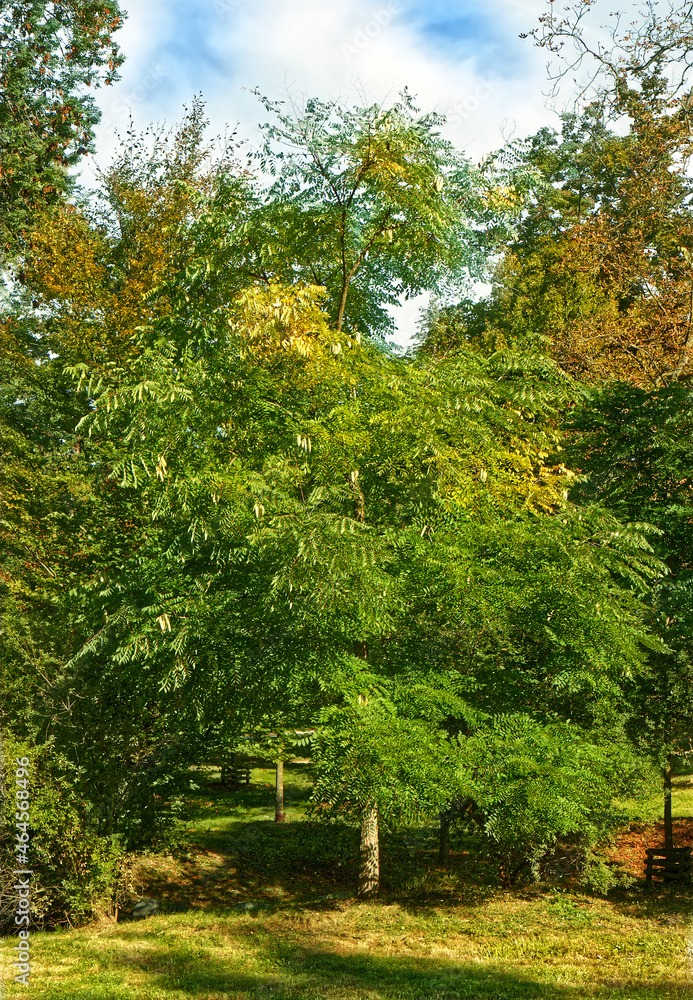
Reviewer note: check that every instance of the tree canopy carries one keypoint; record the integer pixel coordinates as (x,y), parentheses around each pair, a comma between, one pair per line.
(229,508)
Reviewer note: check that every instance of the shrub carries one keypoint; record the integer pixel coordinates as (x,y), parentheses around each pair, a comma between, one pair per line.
(533,784)
(76,872)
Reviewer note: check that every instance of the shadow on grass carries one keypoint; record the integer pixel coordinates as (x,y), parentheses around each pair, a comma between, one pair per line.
(234,851)
(311,858)
(304,973)
(301,861)
(227,811)
(666,903)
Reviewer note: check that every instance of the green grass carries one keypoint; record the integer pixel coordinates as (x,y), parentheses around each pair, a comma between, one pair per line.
(507,947)
(649,809)
(433,935)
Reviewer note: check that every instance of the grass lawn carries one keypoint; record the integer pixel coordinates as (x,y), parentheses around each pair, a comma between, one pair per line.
(252,909)
(650,809)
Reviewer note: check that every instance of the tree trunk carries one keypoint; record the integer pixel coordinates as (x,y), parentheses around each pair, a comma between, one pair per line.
(668,825)
(456,808)
(279,814)
(444,848)
(369,874)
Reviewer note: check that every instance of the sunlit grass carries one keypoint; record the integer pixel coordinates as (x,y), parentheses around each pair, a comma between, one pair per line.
(227,811)
(460,938)
(650,808)
(551,946)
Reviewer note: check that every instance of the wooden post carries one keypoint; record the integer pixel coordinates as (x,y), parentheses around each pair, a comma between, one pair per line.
(279,814)
(668,824)
(444,847)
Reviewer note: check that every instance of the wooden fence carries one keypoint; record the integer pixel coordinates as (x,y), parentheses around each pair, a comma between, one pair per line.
(669,863)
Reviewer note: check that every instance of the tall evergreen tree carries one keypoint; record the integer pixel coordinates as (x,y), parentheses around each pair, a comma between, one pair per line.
(51,54)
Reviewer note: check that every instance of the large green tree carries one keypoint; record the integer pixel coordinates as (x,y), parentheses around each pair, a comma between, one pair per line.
(322,511)
(370,203)
(276,512)
(634,447)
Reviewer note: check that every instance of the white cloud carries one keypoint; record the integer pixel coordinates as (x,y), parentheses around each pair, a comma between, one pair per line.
(363,49)
(370,50)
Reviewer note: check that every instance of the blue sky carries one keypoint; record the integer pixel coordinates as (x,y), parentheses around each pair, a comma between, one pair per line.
(458,57)
(463,59)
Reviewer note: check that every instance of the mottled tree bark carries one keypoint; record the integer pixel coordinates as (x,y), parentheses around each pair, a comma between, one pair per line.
(279,814)
(369,872)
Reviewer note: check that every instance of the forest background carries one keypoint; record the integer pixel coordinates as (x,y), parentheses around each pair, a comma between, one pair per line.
(228,509)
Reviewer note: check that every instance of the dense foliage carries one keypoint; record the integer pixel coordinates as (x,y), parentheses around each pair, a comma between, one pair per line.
(50,55)
(229,510)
